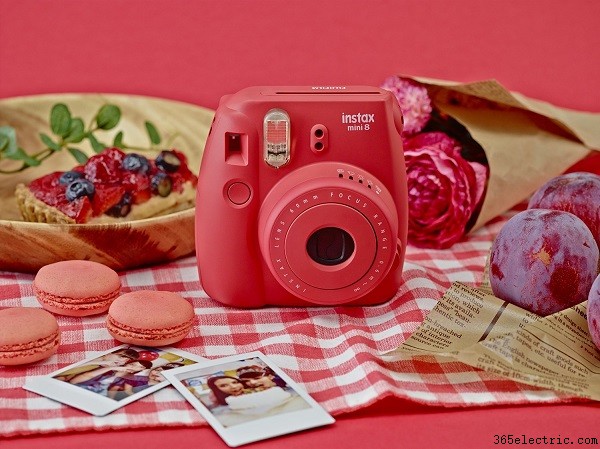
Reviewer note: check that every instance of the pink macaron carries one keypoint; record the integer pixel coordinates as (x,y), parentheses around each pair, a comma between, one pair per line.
(27,335)
(150,318)
(76,287)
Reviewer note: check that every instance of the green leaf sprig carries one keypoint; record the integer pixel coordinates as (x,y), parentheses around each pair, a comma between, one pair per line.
(67,132)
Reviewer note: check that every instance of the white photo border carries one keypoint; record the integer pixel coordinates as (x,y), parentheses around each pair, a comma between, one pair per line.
(256,430)
(89,401)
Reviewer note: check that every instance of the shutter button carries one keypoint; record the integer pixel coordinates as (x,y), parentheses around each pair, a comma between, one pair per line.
(238,193)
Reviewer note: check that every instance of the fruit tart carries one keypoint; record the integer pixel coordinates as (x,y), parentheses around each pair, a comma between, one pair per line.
(111,186)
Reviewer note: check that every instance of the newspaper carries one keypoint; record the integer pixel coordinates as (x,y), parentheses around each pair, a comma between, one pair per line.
(474,327)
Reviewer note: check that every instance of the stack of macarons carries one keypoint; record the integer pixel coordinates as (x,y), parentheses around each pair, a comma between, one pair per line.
(79,288)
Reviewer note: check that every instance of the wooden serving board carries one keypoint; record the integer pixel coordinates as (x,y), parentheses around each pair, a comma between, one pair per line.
(26,247)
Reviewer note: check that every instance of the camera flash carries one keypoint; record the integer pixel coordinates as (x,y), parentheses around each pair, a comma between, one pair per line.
(276,130)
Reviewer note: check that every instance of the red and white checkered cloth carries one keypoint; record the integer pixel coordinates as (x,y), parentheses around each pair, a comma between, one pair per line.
(334,352)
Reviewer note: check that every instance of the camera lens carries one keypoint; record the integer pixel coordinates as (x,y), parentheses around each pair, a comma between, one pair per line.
(328,239)
(330,246)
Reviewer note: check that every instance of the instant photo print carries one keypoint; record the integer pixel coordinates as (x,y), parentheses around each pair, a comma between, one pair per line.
(110,380)
(247,398)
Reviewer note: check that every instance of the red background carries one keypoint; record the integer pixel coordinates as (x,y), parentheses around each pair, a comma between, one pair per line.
(198,51)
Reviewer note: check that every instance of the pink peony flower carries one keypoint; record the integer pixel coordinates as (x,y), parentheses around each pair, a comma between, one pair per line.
(414,102)
(435,139)
(443,190)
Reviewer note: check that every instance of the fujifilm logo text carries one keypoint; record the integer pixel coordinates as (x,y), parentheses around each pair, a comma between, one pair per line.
(358,122)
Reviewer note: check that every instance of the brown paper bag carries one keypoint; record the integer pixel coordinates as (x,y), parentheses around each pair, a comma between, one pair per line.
(526,141)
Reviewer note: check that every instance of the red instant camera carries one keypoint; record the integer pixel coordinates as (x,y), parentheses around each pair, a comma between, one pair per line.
(302,198)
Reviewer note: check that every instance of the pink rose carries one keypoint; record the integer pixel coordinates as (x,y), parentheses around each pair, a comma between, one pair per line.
(443,190)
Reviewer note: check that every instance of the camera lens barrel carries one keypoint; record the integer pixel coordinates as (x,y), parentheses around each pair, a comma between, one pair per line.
(327,237)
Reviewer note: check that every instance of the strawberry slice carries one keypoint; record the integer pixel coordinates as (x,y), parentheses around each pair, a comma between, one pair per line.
(106,197)
(80,209)
(105,167)
(139,186)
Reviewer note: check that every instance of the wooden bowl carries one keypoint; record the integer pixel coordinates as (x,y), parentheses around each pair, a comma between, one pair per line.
(26,247)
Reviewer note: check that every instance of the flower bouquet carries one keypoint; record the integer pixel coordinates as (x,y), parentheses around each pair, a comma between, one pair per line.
(475,150)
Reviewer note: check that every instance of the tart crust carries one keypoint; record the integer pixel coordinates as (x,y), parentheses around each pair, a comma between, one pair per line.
(35,210)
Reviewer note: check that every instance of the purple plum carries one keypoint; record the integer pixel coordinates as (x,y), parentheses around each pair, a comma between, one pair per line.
(593,312)
(543,261)
(578,193)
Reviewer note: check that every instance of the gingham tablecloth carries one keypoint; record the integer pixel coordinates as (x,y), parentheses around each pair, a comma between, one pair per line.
(333,352)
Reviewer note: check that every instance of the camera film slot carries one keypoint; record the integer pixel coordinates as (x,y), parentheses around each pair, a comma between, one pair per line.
(276,131)
(329,91)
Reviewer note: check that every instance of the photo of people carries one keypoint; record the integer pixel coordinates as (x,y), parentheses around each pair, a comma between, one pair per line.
(123,372)
(243,391)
